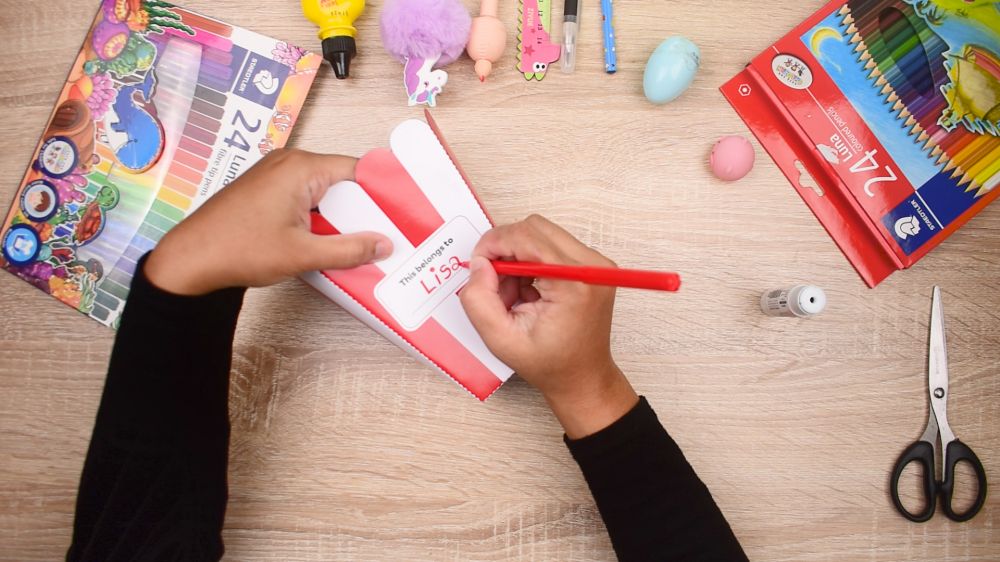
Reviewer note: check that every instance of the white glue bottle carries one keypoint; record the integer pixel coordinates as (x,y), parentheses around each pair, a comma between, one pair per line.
(800,301)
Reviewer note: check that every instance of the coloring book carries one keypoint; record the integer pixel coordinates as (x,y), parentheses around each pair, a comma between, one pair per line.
(162,108)
(892,109)
(415,194)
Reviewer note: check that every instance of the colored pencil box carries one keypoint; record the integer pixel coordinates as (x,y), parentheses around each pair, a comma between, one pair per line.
(162,108)
(885,116)
(414,193)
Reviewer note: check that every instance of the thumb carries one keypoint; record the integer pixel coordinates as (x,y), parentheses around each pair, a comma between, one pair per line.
(345,251)
(481,300)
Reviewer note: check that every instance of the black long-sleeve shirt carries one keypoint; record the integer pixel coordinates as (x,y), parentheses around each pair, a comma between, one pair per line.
(154,480)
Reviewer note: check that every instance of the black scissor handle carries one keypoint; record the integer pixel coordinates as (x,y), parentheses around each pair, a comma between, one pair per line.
(958,451)
(923,453)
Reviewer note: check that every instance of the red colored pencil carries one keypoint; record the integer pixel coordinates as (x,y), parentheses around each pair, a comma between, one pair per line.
(611,276)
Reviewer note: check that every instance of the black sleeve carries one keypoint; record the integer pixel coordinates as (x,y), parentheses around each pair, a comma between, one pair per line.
(654,505)
(154,481)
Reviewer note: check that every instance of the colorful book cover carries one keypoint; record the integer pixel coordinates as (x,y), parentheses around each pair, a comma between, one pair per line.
(162,108)
(885,115)
(415,194)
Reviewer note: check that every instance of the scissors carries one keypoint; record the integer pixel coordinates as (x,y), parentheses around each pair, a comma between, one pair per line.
(925,450)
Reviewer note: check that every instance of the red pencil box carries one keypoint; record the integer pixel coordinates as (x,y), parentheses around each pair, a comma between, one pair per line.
(892,109)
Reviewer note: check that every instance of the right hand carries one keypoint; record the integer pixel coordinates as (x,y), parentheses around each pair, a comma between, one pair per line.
(554,334)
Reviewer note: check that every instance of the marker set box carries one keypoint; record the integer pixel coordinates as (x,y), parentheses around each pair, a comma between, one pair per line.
(162,108)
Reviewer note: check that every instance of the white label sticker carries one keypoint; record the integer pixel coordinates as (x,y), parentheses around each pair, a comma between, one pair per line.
(792,71)
(432,274)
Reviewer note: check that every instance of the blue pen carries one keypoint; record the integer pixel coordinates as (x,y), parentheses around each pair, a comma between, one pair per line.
(610,56)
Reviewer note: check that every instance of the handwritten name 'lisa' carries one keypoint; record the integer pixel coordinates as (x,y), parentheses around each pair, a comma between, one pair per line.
(438,276)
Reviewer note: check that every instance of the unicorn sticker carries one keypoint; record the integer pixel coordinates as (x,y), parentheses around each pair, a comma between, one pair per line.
(422,82)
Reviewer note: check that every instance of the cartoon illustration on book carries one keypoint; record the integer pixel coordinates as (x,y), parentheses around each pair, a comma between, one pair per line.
(985,13)
(133,133)
(974,92)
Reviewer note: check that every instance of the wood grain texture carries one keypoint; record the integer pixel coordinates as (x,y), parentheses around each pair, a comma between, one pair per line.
(344,448)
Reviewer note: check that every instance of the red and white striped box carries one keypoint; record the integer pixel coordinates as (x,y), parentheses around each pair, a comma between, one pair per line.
(415,194)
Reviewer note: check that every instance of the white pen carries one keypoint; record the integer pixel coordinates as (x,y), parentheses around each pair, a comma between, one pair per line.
(571,25)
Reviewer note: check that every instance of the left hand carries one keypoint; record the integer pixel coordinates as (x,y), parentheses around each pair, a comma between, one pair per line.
(255,232)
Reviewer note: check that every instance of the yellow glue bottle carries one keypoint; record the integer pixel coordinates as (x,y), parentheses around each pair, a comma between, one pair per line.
(335,19)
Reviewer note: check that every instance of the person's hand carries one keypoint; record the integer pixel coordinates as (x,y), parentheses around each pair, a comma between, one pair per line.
(255,232)
(554,334)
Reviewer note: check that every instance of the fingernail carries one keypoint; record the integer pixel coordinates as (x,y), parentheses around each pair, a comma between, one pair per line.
(383,249)
(476,264)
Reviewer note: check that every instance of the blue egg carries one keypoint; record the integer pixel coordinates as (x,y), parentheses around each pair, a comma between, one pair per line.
(670,70)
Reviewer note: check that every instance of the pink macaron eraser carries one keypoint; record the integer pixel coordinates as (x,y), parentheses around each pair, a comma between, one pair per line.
(732,158)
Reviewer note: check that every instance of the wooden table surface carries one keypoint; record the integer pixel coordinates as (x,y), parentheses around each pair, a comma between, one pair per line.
(344,448)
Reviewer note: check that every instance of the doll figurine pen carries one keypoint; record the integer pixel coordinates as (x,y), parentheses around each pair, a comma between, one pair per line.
(487,39)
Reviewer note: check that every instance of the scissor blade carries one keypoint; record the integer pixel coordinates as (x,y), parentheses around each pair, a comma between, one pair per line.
(937,364)
(937,373)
